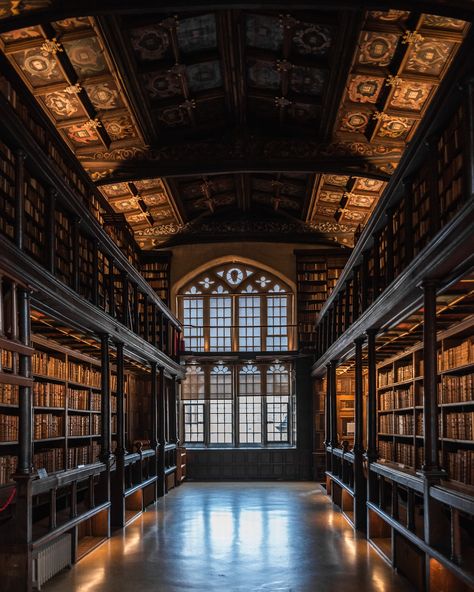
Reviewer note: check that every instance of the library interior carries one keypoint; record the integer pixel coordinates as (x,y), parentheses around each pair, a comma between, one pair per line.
(237,296)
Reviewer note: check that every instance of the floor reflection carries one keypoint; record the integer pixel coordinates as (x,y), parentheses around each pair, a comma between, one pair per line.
(235,537)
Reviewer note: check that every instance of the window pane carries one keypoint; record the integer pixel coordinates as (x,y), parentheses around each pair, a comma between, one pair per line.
(250,420)
(194,422)
(277,418)
(194,383)
(193,330)
(220,320)
(249,323)
(277,321)
(220,422)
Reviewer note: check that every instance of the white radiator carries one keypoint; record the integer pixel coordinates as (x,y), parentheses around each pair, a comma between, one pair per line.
(51,559)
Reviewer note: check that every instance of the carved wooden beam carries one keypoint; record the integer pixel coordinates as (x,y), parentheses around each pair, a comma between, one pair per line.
(14,17)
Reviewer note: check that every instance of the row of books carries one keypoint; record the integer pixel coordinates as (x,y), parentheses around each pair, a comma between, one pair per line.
(8,394)
(460,466)
(78,399)
(458,426)
(405,372)
(402,453)
(82,455)
(48,425)
(8,428)
(6,360)
(8,464)
(84,374)
(455,389)
(47,365)
(397,399)
(458,355)
(48,394)
(385,377)
(79,425)
(51,459)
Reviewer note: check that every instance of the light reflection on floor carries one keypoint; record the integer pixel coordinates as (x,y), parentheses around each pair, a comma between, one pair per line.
(235,537)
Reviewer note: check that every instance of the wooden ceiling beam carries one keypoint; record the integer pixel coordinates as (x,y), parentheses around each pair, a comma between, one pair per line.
(348,35)
(60,9)
(112,35)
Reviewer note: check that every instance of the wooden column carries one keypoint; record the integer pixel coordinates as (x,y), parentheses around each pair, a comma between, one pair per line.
(340,314)
(154,334)
(75,254)
(430,379)
(360,488)
(161,432)
(347,308)
(327,410)
(333,403)
(371,396)
(20,157)
(16,564)
(408,226)
(25,408)
(389,268)
(376,269)
(136,309)
(117,516)
(51,230)
(154,406)
(146,330)
(124,279)
(355,295)
(105,440)
(111,287)
(95,273)
(364,280)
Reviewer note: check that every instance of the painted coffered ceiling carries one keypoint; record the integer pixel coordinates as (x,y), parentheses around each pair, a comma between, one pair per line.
(189,118)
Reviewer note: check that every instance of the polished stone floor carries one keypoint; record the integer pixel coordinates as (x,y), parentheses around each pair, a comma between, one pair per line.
(235,537)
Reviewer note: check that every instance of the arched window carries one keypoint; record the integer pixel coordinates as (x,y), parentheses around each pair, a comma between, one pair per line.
(236,307)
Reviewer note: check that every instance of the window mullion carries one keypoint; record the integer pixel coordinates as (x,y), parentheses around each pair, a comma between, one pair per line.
(236,408)
(264,405)
(263,322)
(206,322)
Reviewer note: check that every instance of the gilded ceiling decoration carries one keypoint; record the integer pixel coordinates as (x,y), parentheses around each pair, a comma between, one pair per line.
(180,118)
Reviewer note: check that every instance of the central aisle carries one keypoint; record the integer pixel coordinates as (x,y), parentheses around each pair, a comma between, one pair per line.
(235,537)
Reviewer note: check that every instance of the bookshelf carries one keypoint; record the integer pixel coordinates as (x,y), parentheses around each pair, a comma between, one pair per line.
(14,377)
(155,268)
(7,191)
(67,404)
(400,406)
(317,273)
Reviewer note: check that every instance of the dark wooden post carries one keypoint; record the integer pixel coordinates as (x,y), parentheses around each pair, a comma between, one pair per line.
(364,280)
(2,318)
(20,157)
(371,455)
(136,309)
(105,440)
(154,334)
(75,254)
(25,395)
(111,287)
(389,267)
(347,309)
(16,565)
(430,379)
(376,266)
(360,488)
(124,279)
(408,225)
(118,480)
(340,314)
(161,433)
(95,272)
(333,403)
(51,231)
(146,328)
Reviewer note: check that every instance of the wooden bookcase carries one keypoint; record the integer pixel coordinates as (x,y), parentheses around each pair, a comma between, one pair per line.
(155,268)
(400,406)
(317,273)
